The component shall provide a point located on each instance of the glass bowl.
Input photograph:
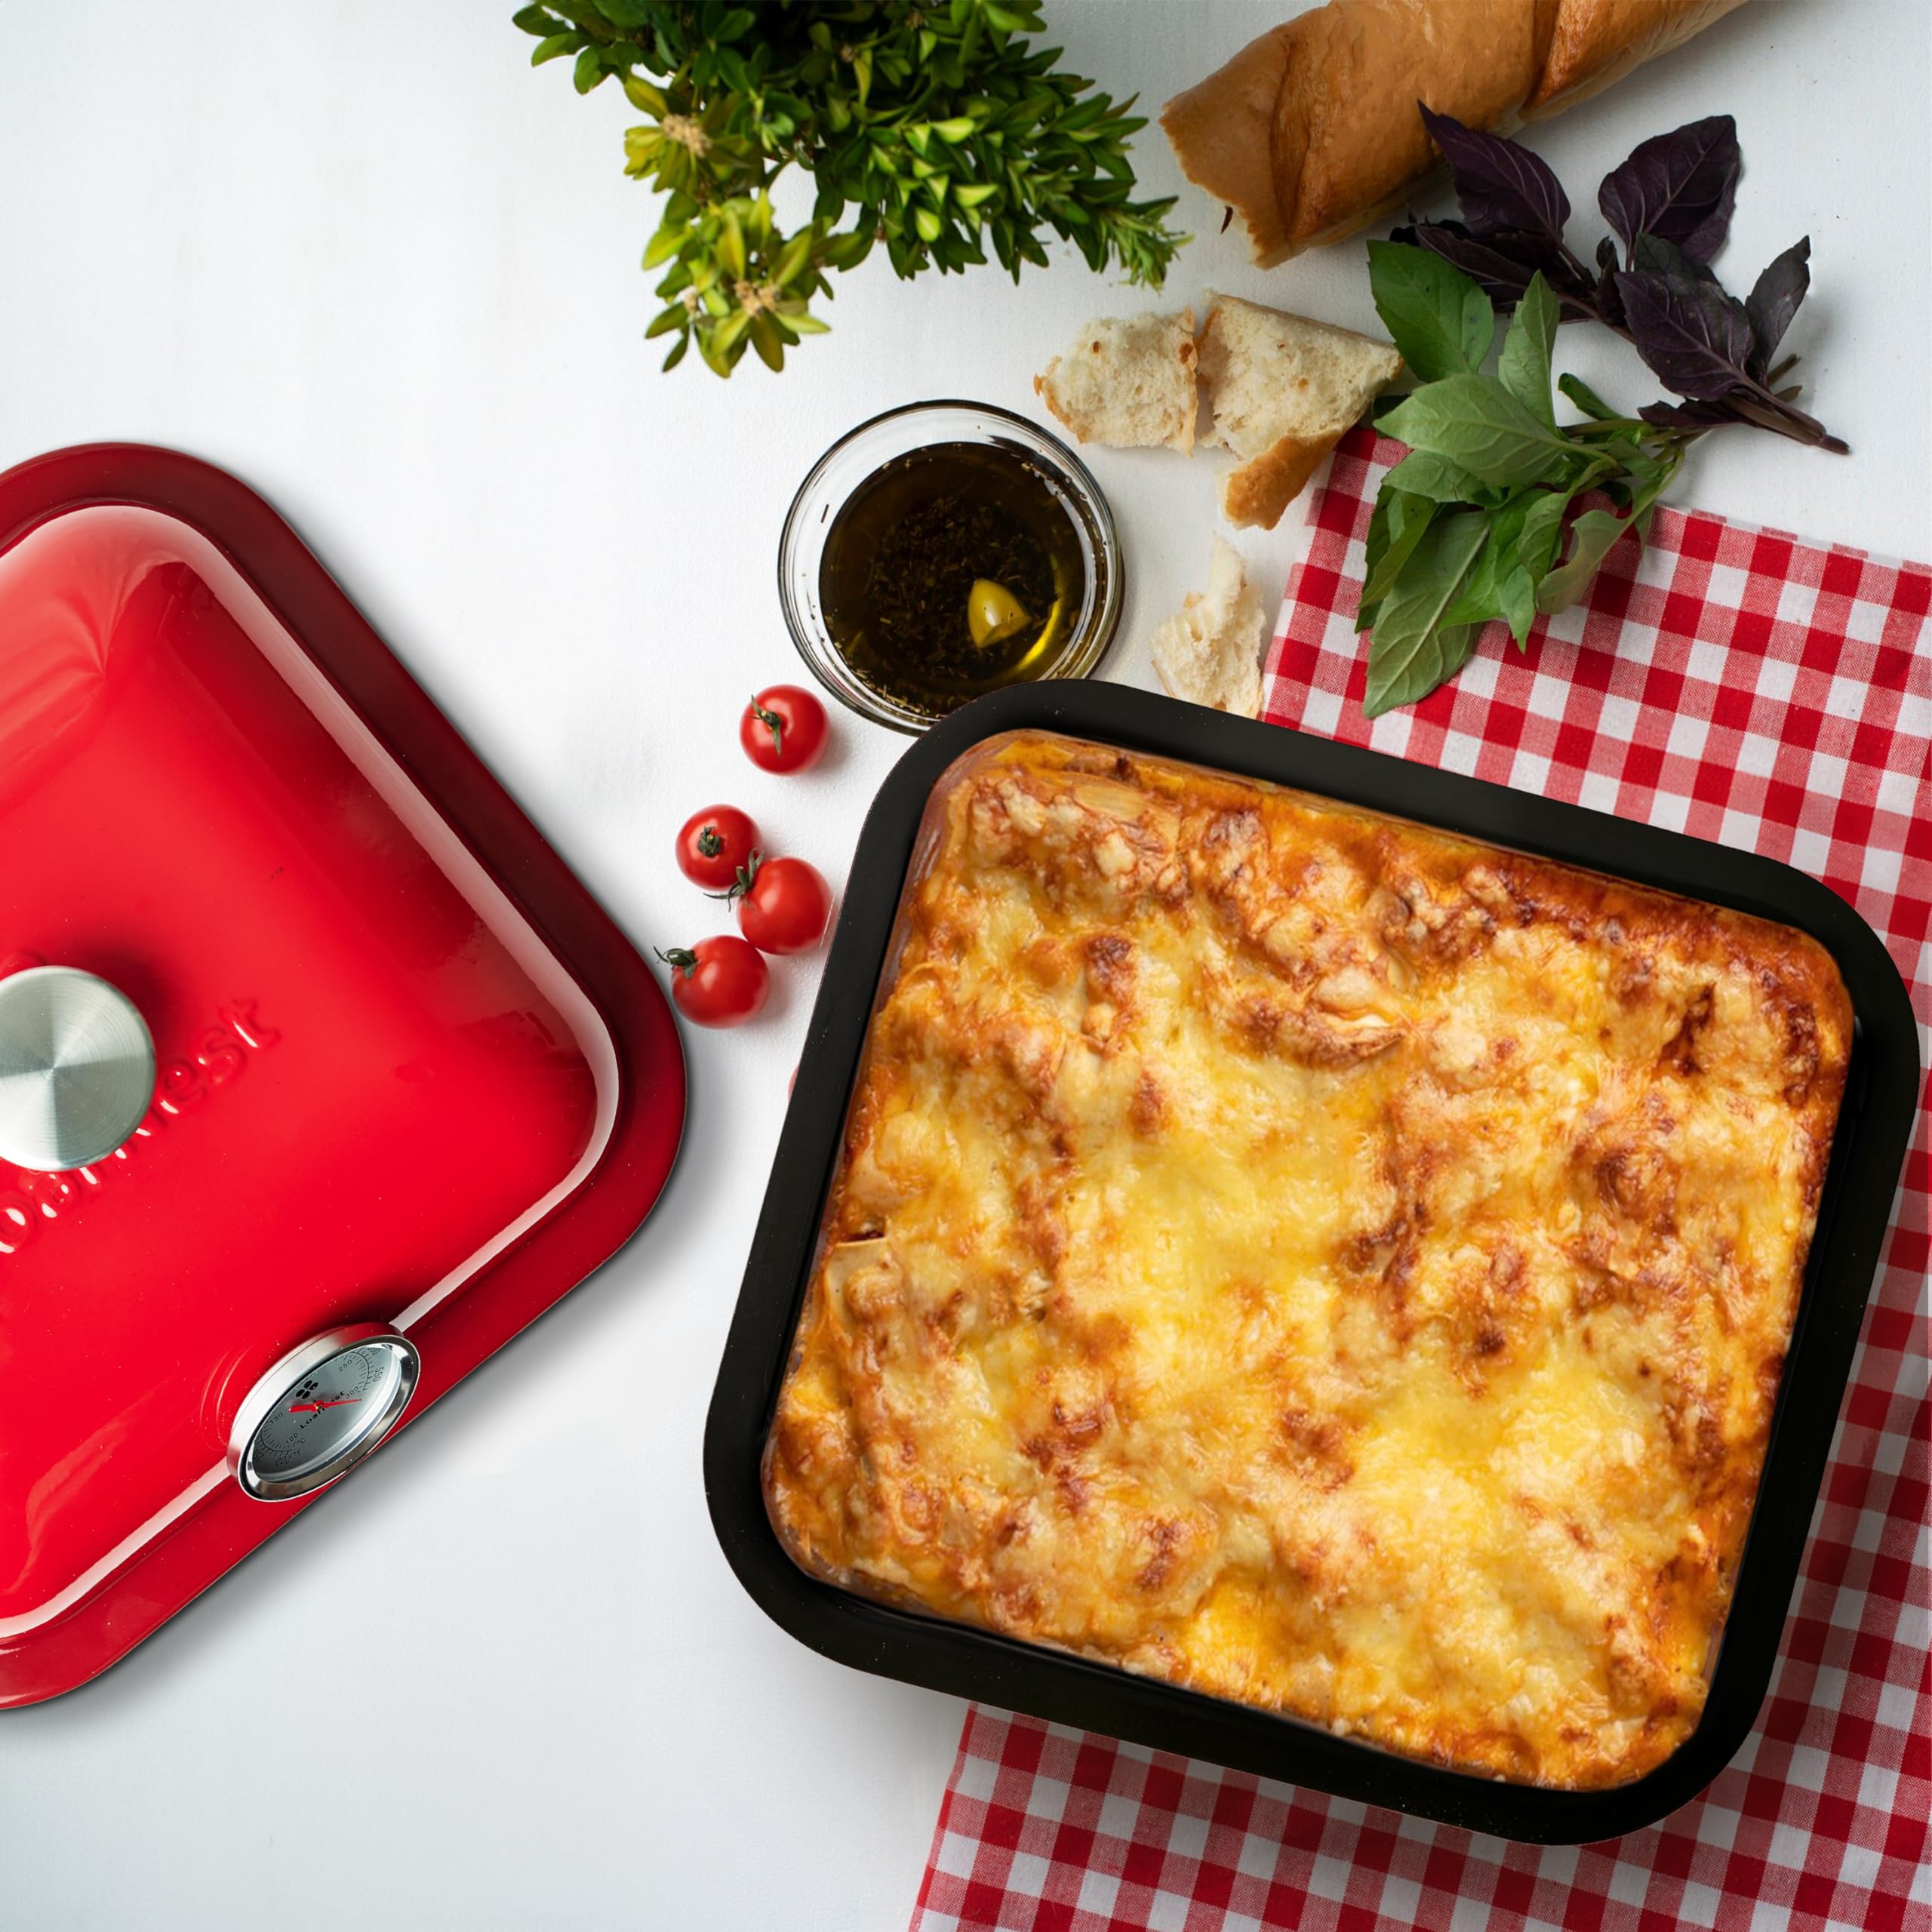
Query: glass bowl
(855, 457)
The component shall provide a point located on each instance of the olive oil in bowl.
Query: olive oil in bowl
(951, 570)
(944, 551)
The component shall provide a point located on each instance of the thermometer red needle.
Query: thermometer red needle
(309, 1408)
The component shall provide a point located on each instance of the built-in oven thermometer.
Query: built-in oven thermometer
(320, 1410)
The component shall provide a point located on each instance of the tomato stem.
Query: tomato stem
(708, 843)
(680, 959)
(772, 723)
(742, 884)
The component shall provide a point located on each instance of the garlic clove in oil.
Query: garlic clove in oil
(993, 613)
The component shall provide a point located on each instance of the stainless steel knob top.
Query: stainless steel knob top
(77, 1068)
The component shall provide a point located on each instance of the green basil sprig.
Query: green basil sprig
(1499, 511)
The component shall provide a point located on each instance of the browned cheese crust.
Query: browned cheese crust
(1313, 1259)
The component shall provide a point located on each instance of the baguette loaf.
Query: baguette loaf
(1311, 132)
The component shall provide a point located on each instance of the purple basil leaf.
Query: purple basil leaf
(1774, 299)
(1685, 415)
(1502, 277)
(1679, 186)
(1500, 184)
(1609, 303)
(1547, 257)
(1500, 264)
(1695, 336)
(1665, 258)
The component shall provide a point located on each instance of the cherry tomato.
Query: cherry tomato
(783, 904)
(714, 844)
(721, 981)
(782, 729)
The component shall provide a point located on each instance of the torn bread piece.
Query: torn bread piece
(1128, 384)
(1284, 390)
(1209, 651)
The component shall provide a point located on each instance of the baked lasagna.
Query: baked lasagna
(1313, 1259)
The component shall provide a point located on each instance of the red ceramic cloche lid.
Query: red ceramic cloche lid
(411, 1082)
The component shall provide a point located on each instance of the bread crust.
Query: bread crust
(1254, 494)
(1352, 83)
(1311, 132)
(1223, 131)
(1595, 43)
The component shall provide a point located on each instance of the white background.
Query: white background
(356, 251)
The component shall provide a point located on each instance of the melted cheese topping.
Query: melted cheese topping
(1314, 1259)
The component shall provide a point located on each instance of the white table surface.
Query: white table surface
(360, 253)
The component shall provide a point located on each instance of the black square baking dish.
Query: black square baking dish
(1869, 1148)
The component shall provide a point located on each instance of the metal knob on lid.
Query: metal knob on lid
(77, 1068)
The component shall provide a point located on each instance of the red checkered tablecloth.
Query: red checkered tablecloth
(1766, 693)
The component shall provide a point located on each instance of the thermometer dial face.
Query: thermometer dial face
(321, 1411)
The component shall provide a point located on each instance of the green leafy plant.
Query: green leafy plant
(1475, 522)
(931, 128)
(1499, 511)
